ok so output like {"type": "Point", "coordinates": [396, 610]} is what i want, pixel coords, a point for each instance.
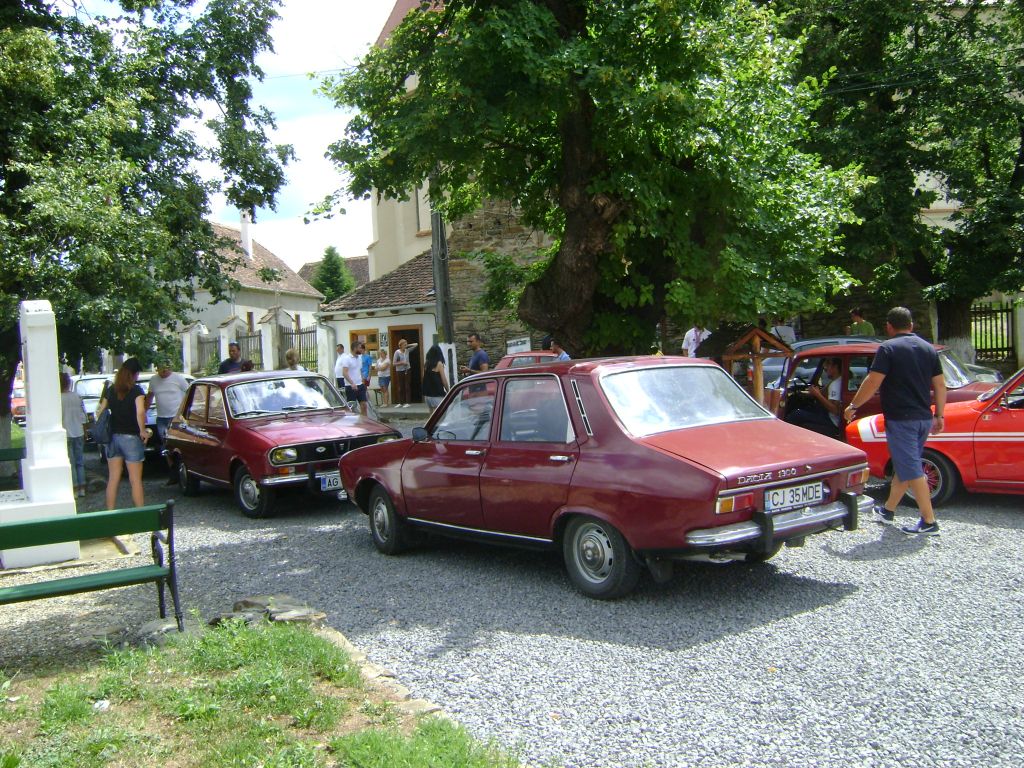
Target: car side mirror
{"type": "Point", "coordinates": [420, 435]}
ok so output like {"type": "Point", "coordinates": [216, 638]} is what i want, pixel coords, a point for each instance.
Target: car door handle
{"type": "Point", "coordinates": [474, 452]}
{"type": "Point", "coordinates": [560, 457]}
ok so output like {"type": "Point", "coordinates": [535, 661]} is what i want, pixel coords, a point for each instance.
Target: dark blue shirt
{"type": "Point", "coordinates": [478, 359]}
{"type": "Point", "coordinates": [909, 363]}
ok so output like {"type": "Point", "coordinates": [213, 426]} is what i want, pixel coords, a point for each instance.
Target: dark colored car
{"type": "Point", "coordinates": [806, 369]}
{"type": "Point", "coordinates": [261, 432]}
{"type": "Point", "coordinates": [606, 462]}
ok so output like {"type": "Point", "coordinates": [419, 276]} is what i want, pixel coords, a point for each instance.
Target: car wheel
{"type": "Point", "coordinates": [943, 479]}
{"type": "Point", "coordinates": [387, 528]}
{"type": "Point", "coordinates": [254, 499]}
{"type": "Point", "coordinates": [189, 483]}
{"type": "Point", "coordinates": [762, 557]}
{"type": "Point", "coordinates": [599, 561]}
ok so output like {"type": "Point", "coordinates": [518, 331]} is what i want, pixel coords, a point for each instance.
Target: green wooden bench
{"type": "Point", "coordinates": [155, 518]}
{"type": "Point", "coordinates": [11, 454]}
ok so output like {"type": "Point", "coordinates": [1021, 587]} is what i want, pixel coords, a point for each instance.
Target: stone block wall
{"type": "Point", "coordinates": [494, 227]}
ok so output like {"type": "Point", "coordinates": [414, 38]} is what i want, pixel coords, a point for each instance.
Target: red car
{"type": "Point", "coordinates": [806, 368]}
{"type": "Point", "coordinates": [620, 464]}
{"type": "Point", "coordinates": [520, 359]}
{"type": "Point", "coordinates": [261, 432]}
{"type": "Point", "coordinates": [980, 448]}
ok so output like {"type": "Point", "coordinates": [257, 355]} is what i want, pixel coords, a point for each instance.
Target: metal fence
{"type": "Point", "coordinates": [303, 340]}
{"type": "Point", "coordinates": [209, 349]}
{"type": "Point", "coordinates": [992, 331]}
{"type": "Point", "coordinates": [251, 345]}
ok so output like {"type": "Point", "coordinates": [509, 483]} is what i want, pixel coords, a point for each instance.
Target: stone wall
{"type": "Point", "coordinates": [494, 227]}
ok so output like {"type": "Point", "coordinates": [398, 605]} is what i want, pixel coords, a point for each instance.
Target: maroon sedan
{"type": "Point", "coordinates": [621, 464]}
{"type": "Point", "coordinates": [260, 432]}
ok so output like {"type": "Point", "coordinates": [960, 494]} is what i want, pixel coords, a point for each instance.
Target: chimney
{"type": "Point", "coordinates": [246, 234]}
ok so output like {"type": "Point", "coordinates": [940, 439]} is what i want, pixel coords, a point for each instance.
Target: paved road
{"type": "Point", "coordinates": [862, 649]}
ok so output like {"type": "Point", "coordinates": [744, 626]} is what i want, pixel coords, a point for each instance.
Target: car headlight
{"type": "Point", "coordinates": [283, 455]}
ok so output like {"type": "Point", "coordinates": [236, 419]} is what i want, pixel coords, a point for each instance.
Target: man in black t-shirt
{"type": "Point", "coordinates": [905, 370]}
{"type": "Point", "coordinates": [233, 362]}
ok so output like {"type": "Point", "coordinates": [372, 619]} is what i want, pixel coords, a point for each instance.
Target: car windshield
{"type": "Point", "coordinates": [954, 373]}
{"type": "Point", "coordinates": [663, 398]}
{"type": "Point", "coordinates": [90, 387]}
{"type": "Point", "coordinates": [307, 393]}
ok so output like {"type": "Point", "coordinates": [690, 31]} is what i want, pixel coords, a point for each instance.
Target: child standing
{"type": "Point", "coordinates": [73, 415]}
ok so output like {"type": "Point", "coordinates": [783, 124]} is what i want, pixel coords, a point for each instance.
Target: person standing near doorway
{"type": "Point", "coordinates": [401, 368]}
{"type": "Point", "coordinates": [435, 382]}
{"type": "Point", "coordinates": [384, 377]}
{"type": "Point", "coordinates": [339, 367]}
{"type": "Point", "coordinates": [905, 370]}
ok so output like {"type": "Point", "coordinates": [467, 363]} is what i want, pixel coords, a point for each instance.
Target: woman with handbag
{"type": "Point", "coordinates": [127, 405]}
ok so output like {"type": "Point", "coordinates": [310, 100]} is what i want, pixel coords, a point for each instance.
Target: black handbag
{"type": "Point", "coordinates": [100, 431]}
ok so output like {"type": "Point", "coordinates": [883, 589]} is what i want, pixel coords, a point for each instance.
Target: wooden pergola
{"type": "Point", "coordinates": [754, 346]}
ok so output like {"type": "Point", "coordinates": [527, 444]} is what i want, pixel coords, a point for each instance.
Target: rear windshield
{"type": "Point", "coordinates": [660, 399]}
{"type": "Point", "coordinates": [90, 387]}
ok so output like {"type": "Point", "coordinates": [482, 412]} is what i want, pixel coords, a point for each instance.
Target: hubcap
{"type": "Point", "coordinates": [931, 474]}
{"type": "Point", "coordinates": [249, 491]}
{"type": "Point", "coordinates": [594, 554]}
{"type": "Point", "coordinates": [380, 520]}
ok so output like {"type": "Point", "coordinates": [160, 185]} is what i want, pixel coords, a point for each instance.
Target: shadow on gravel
{"type": "Point", "coordinates": [891, 543]}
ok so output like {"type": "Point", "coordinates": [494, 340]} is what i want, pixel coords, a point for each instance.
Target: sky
{"type": "Point", "coordinates": [311, 36]}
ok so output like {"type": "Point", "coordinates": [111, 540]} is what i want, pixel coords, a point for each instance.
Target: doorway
{"type": "Point", "coordinates": [413, 334]}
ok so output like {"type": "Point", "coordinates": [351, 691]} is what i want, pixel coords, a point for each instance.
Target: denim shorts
{"type": "Point", "coordinates": [356, 393]}
{"type": "Point", "coordinates": [162, 423]}
{"type": "Point", "coordinates": [383, 382]}
{"type": "Point", "coordinates": [127, 447]}
{"type": "Point", "coordinates": [906, 441]}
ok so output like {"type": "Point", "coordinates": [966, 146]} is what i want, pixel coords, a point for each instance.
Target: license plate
{"type": "Point", "coordinates": [778, 499]}
{"type": "Point", "coordinates": [330, 481]}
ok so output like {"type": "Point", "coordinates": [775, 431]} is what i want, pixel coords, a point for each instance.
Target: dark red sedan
{"type": "Point", "coordinates": [261, 432]}
{"type": "Point", "coordinates": [620, 463]}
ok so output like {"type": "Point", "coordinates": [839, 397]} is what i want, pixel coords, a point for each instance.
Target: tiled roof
{"type": "Point", "coordinates": [402, 7]}
{"type": "Point", "coordinates": [247, 271]}
{"type": "Point", "coordinates": [411, 284]}
{"type": "Point", "coordinates": [357, 266]}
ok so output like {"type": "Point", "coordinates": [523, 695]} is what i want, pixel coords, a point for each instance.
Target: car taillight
{"type": "Point", "coordinates": [728, 504]}
{"type": "Point", "coordinates": [857, 478]}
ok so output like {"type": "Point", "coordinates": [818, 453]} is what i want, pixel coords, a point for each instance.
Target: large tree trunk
{"type": "Point", "coordinates": [955, 326]}
{"type": "Point", "coordinates": [561, 302]}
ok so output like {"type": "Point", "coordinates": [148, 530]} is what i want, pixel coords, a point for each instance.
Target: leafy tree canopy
{"type": "Point", "coordinates": [926, 96]}
{"type": "Point", "coordinates": [332, 277]}
{"type": "Point", "coordinates": [656, 140]}
{"type": "Point", "coordinates": [102, 208]}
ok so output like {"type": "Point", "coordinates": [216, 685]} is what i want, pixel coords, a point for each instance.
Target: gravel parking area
{"type": "Point", "coordinates": [864, 649]}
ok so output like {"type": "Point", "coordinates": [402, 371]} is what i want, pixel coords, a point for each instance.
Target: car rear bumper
{"type": "Point", "coordinates": [769, 529]}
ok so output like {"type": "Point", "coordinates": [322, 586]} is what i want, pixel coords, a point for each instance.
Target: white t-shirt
{"type": "Point", "coordinates": [168, 393]}
{"type": "Point", "coordinates": [339, 365]}
{"type": "Point", "coordinates": [693, 339]}
{"type": "Point", "coordinates": [834, 392]}
{"type": "Point", "coordinates": [353, 370]}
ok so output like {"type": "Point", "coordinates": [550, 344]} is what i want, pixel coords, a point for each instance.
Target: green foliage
{"type": "Point", "coordinates": [332, 277]}
{"type": "Point", "coordinates": [102, 210]}
{"type": "Point", "coordinates": [656, 141]}
{"type": "Point", "coordinates": [64, 705]}
{"type": "Point", "coordinates": [434, 742]}
{"type": "Point", "coordinates": [927, 98]}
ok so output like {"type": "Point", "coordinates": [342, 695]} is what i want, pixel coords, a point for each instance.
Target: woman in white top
{"type": "Point", "coordinates": [72, 412]}
{"type": "Point", "coordinates": [402, 367]}
{"type": "Point", "coordinates": [384, 378]}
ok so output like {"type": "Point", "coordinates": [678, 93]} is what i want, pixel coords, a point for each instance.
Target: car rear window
{"type": "Point", "coordinates": [663, 398]}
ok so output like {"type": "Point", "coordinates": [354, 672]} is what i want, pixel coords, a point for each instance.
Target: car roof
{"type": "Point", "coordinates": [227, 379]}
{"type": "Point", "coordinates": [599, 365]}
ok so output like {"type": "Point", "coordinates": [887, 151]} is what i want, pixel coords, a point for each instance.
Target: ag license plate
{"type": "Point", "coordinates": [330, 481]}
{"type": "Point", "coordinates": [779, 499]}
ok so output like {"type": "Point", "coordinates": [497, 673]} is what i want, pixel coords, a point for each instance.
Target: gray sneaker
{"type": "Point", "coordinates": [922, 528]}
{"type": "Point", "coordinates": [882, 515]}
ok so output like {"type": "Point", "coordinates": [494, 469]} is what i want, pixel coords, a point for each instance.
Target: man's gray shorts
{"type": "Point", "coordinates": [906, 441]}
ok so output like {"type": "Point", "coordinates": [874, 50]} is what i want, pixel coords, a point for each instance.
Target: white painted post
{"type": "Point", "coordinates": [326, 341]}
{"type": "Point", "coordinates": [45, 470]}
{"type": "Point", "coordinates": [1018, 333]}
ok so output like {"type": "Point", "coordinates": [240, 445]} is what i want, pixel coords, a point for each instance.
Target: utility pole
{"type": "Point", "coordinates": [442, 287]}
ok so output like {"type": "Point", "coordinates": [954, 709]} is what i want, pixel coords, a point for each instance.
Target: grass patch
{"type": "Point", "coordinates": [274, 696]}
{"type": "Point", "coordinates": [17, 441]}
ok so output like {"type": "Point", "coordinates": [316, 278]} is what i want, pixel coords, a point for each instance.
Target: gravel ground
{"type": "Point", "coordinates": [863, 649]}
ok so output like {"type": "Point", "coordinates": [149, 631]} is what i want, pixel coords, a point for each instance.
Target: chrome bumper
{"type": "Point", "coordinates": [312, 480]}
{"type": "Point", "coordinates": [773, 527]}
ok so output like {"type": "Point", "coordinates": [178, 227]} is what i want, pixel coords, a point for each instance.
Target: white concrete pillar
{"type": "Point", "coordinates": [45, 470]}
{"type": "Point", "coordinates": [326, 341]}
{"type": "Point", "coordinates": [1018, 333]}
